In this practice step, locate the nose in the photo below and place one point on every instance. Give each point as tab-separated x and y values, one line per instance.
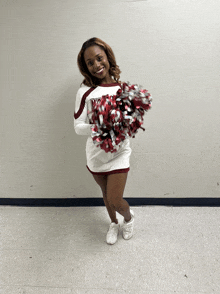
96	65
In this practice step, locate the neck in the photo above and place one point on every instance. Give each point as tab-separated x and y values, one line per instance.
107	81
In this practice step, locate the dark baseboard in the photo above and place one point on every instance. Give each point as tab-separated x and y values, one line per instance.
79	202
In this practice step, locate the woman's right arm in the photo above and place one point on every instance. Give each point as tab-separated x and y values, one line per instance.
80	123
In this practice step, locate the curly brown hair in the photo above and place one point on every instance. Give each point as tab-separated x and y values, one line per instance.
114	70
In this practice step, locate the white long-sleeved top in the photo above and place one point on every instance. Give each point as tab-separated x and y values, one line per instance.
81	124
98	161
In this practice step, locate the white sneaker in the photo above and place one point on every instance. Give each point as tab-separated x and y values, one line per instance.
128	227
112	234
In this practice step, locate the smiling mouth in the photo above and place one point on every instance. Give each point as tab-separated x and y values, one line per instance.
100	71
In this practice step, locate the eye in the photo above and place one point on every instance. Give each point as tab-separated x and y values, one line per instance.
89	63
99	58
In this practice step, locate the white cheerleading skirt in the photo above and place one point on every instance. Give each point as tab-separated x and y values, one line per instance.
105	163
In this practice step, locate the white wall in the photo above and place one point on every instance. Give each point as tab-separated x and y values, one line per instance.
170	47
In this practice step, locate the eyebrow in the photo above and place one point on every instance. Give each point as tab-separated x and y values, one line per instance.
95	56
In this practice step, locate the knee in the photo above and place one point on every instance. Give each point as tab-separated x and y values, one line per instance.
117	204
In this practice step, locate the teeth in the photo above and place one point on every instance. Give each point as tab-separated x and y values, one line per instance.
100	70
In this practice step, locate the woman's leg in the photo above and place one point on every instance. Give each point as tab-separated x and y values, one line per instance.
102	182
115	189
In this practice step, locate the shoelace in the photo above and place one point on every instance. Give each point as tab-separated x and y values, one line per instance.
128	227
113	227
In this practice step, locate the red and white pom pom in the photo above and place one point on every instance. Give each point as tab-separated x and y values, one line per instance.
119	116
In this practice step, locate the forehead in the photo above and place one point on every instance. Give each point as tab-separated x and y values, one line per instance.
92	52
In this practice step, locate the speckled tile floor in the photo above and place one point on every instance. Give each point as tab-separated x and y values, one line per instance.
63	251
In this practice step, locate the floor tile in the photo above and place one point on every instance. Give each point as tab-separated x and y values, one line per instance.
34	290
63	250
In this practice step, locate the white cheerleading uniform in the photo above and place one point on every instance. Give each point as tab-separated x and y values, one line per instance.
98	161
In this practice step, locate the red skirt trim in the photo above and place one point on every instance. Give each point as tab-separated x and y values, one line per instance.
116	171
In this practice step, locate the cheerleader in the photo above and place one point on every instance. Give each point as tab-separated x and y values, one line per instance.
97	64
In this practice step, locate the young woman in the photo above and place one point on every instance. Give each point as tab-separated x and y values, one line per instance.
96	62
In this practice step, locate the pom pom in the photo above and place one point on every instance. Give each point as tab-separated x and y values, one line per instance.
119	116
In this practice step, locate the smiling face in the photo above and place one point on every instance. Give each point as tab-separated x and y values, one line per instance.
97	63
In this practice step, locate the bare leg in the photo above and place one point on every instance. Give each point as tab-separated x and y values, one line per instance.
102	182
115	189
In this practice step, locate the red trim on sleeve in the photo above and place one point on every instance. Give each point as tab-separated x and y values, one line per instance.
116	171
82	104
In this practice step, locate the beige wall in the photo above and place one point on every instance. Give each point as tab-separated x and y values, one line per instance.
170	47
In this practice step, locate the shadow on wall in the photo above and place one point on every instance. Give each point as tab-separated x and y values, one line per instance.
64	173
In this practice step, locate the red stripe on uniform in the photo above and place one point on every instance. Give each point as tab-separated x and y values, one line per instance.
83	101
82	104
